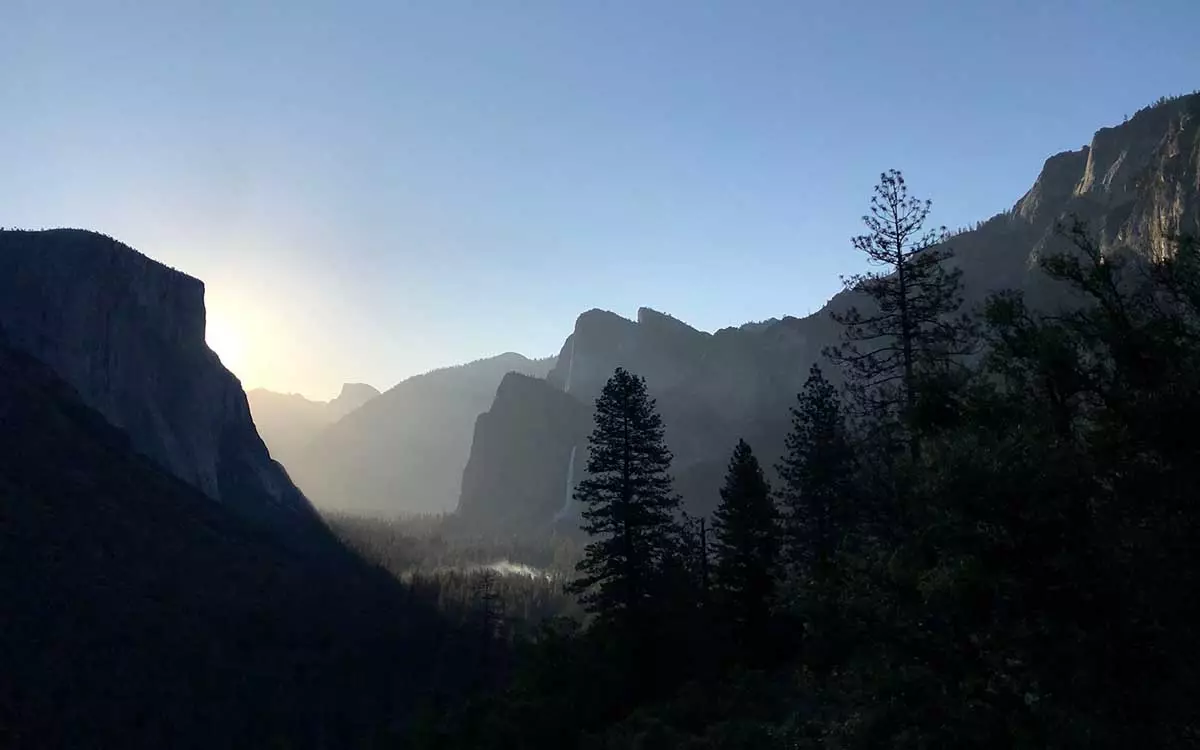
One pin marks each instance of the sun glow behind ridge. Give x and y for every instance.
(224, 337)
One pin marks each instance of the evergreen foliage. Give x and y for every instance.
(628, 506)
(816, 473)
(746, 541)
(910, 328)
(1037, 589)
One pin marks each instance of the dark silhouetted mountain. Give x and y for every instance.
(1137, 183)
(288, 422)
(710, 388)
(127, 333)
(520, 480)
(138, 612)
(405, 450)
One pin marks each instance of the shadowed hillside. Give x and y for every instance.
(138, 612)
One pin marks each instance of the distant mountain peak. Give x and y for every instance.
(402, 450)
(357, 389)
(649, 314)
(600, 318)
(353, 396)
(650, 318)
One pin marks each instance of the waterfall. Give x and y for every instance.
(565, 510)
(569, 499)
(570, 365)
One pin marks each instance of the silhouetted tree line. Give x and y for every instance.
(983, 534)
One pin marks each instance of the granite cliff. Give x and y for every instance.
(127, 333)
(710, 388)
(164, 583)
(1136, 184)
(352, 396)
(522, 481)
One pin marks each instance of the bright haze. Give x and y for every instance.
(371, 190)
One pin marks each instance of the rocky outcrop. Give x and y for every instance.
(657, 346)
(519, 471)
(404, 451)
(1135, 184)
(353, 395)
(288, 422)
(127, 333)
(711, 390)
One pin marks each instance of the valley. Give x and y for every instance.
(952, 504)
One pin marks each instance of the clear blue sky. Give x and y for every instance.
(371, 190)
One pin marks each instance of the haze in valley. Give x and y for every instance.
(685, 375)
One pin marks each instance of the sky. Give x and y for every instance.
(370, 190)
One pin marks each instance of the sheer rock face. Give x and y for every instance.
(518, 477)
(128, 334)
(711, 390)
(1135, 184)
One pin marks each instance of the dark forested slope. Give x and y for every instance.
(138, 612)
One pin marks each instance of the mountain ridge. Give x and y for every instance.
(405, 450)
(288, 422)
(1137, 183)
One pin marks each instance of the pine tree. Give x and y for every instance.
(628, 506)
(817, 473)
(746, 541)
(912, 330)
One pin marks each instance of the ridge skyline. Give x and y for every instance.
(1083, 149)
(406, 189)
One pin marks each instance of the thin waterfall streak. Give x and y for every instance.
(570, 497)
(570, 366)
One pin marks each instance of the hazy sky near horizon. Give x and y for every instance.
(373, 189)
